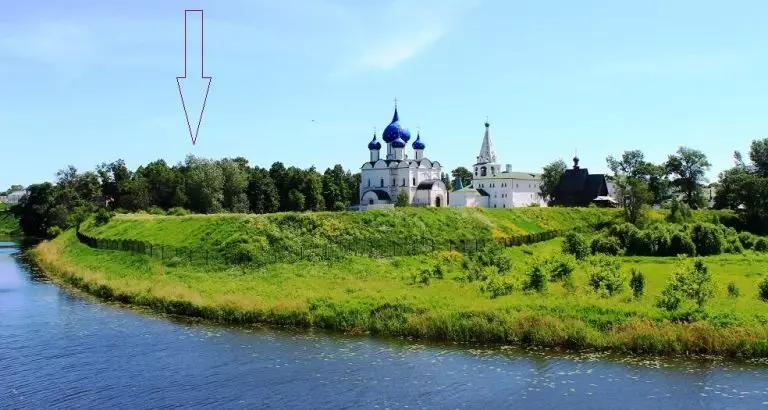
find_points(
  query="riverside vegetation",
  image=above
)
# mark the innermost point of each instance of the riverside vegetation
(605, 285)
(9, 224)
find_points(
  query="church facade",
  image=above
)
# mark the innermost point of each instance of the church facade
(387, 174)
(494, 187)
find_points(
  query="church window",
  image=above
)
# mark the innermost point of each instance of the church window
(394, 182)
(369, 182)
(403, 181)
(483, 171)
(504, 205)
(494, 205)
(382, 182)
(414, 181)
(370, 201)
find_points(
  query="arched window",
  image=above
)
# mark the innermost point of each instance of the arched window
(370, 201)
(403, 181)
(369, 182)
(394, 182)
(382, 182)
(414, 181)
(483, 171)
(475, 171)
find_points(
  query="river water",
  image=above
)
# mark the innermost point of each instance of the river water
(63, 350)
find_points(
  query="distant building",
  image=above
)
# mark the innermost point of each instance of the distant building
(580, 188)
(382, 179)
(493, 188)
(13, 197)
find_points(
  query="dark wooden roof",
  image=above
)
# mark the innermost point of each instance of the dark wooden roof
(578, 187)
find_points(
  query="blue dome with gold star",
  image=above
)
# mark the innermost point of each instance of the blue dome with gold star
(374, 144)
(394, 130)
(418, 144)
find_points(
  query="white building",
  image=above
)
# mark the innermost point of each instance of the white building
(13, 197)
(493, 187)
(382, 179)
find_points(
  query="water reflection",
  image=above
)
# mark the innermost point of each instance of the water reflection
(63, 350)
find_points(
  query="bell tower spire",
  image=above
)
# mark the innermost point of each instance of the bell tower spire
(487, 154)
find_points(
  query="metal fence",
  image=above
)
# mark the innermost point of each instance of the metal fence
(238, 254)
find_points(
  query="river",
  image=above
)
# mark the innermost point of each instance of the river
(64, 350)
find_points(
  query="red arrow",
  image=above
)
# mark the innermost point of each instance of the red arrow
(204, 82)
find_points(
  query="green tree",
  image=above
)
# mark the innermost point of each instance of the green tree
(402, 199)
(205, 185)
(758, 154)
(464, 174)
(447, 181)
(295, 200)
(632, 191)
(37, 210)
(236, 177)
(550, 178)
(162, 183)
(688, 167)
(312, 189)
(262, 192)
(335, 188)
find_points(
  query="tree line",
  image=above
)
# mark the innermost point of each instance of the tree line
(199, 185)
(680, 181)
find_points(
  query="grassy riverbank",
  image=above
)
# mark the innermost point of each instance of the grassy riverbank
(378, 296)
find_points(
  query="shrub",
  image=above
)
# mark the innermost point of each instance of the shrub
(661, 239)
(155, 210)
(425, 275)
(498, 285)
(622, 232)
(493, 255)
(679, 212)
(641, 243)
(747, 240)
(681, 244)
(733, 245)
(733, 291)
(474, 272)
(575, 245)
(691, 281)
(637, 283)
(561, 267)
(103, 215)
(175, 261)
(178, 211)
(708, 239)
(538, 277)
(762, 289)
(605, 275)
(608, 245)
(761, 245)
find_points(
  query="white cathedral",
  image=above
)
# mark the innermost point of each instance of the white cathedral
(383, 179)
(493, 187)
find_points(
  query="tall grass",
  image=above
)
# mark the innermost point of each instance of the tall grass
(378, 296)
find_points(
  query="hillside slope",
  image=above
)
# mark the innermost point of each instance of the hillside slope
(399, 225)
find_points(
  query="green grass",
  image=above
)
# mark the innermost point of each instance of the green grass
(375, 296)
(9, 224)
(289, 230)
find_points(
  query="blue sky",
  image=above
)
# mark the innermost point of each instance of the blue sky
(306, 81)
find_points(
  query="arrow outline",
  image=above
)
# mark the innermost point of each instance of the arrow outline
(202, 74)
